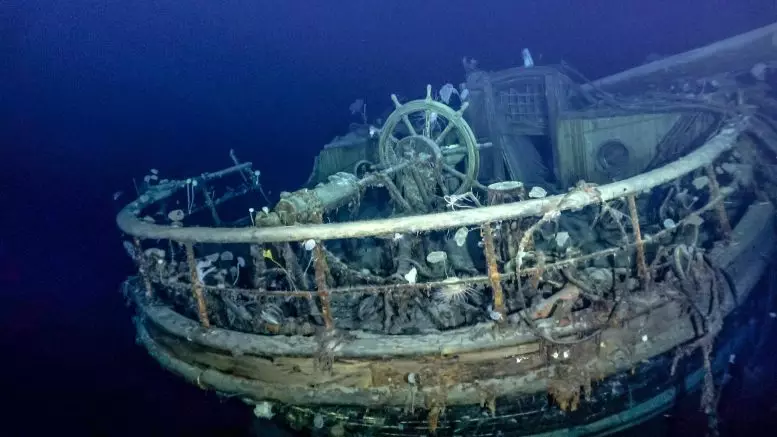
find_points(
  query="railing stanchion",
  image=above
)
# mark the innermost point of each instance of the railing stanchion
(720, 208)
(142, 269)
(493, 270)
(642, 269)
(321, 287)
(202, 309)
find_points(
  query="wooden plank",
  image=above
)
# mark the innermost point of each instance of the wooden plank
(301, 372)
(737, 53)
(556, 104)
(748, 235)
(503, 380)
(494, 133)
(579, 140)
(353, 373)
(752, 248)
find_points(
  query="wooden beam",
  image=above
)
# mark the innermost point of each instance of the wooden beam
(737, 53)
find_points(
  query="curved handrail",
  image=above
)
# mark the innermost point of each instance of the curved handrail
(128, 220)
(364, 345)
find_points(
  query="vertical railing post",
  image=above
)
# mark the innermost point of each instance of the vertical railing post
(142, 269)
(202, 309)
(257, 255)
(642, 269)
(720, 208)
(321, 287)
(493, 270)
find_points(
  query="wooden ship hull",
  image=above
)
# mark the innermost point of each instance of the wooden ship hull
(636, 388)
(541, 336)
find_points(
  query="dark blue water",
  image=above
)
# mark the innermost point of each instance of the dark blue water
(94, 93)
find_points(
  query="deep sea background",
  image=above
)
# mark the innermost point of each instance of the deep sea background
(94, 93)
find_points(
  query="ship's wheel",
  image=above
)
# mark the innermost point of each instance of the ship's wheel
(433, 132)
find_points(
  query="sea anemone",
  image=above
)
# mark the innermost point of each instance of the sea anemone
(454, 291)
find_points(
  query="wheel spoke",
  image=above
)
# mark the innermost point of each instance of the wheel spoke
(454, 172)
(453, 149)
(463, 177)
(441, 182)
(444, 132)
(422, 131)
(409, 125)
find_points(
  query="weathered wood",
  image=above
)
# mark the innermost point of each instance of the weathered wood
(723, 141)
(644, 275)
(518, 73)
(498, 303)
(360, 344)
(322, 269)
(290, 370)
(653, 325)
(752, 246)
(720, 208)
(663, 328)
(752, 241)
(732, 54)
(557, 103)
(497, 165)
(354, 373)
(196, 281)
(580, 136)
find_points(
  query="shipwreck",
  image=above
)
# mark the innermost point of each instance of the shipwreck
(535, 254)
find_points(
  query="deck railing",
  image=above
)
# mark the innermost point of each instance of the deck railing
(487, 219)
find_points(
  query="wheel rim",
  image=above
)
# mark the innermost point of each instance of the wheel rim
(430, 132)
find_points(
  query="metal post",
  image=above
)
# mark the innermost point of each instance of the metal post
(644, 274)
(141, 269)
(493, 270)
(720, 208)
(202, 309)
(321, 287)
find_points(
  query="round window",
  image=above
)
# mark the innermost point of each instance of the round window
(613, 158)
